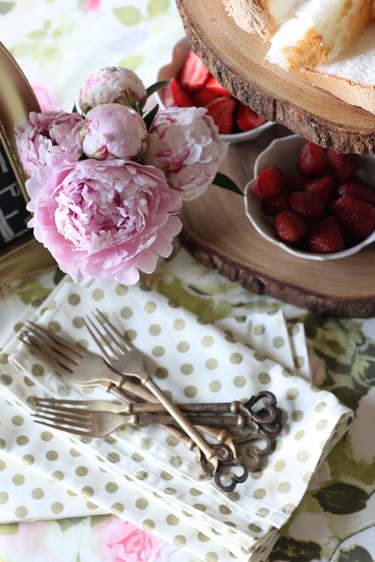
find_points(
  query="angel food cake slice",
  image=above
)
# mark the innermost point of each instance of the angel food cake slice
(260, 16)
(318, 31)
(351, 75)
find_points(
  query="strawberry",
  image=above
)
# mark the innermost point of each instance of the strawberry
(356, 217)
(290, 227)
(344, 166)
(269, 183)
(193, 74)
(307, 204)
(297, 183)
(175, 96)
(274, 205)
(323, 187)
(359, 189)
(204, 97)
(325, 236)
(213, 85)
(247, 119)
(312, 160)
(222, 112)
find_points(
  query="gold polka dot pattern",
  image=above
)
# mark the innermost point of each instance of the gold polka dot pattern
(146, 475)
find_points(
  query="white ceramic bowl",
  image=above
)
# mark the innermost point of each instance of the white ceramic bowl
(171, 70)
(284, 154)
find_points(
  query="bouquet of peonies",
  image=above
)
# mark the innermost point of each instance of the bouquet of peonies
(106, 186)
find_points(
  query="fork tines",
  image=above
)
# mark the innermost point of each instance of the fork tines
(59, 352)
(107, 333)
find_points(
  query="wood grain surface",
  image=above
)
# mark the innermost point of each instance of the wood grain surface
(218, 234)
(237, 59)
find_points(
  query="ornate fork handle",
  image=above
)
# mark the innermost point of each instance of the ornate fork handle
(125, 359)
(207, 449)
(224, 477)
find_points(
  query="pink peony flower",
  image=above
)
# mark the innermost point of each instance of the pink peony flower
(48, 139)
(91, 5)
(112, 84)
(44, 97)
(104, 220)
(185, 144)
(112, 130)
(124, 542)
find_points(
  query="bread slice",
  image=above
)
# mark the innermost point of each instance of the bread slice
(351, 75)
(260, 16)
(318, 32)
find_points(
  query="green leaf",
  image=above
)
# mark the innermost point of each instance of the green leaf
(31, 289)
(355, 553)
(9, 529)
(348, 396)
(128, 15)
(58, 276)
(98, 519)
(157, 7)
(38, 34)
(138, 108)
(6, 7)
(154, 87)
(66, 524)
(221, 180)
(148, 119)
(295, 551)
(341, 498)
(132, 61)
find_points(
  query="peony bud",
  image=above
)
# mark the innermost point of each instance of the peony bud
(112, 84)
(113, 131)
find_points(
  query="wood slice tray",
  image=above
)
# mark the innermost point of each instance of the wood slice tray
(218, 234)
(236, 58)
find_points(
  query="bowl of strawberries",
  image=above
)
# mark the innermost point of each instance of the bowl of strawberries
(191, 84)
(312, 202)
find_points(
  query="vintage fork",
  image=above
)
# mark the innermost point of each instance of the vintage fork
(55, 405)
(238, 414)
(85, 368)
(99, 423)
(80, 366)
(125, 359)
(105, 417)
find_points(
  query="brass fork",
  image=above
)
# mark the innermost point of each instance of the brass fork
(103, 417)
(99, 423)
(79, 366)
(125, 359)
(267, 416)
(76, 364)
(66, 405)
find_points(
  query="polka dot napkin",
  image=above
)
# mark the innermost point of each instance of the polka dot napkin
(148, 476)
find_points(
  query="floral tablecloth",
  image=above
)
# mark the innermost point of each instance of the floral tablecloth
(57, 44)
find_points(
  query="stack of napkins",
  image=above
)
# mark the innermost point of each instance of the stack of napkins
(145, 475)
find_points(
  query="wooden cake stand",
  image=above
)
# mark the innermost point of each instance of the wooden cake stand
(218, 234)
(215, 228)
(236, 58)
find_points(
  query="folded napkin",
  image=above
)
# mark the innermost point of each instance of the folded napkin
(160, 485)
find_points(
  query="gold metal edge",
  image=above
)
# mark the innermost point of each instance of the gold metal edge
(17, 100)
